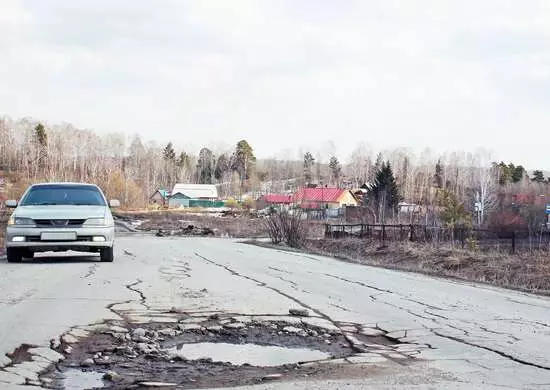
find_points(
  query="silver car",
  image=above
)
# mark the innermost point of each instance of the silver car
(60, 217)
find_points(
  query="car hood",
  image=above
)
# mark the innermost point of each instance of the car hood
(61, 212)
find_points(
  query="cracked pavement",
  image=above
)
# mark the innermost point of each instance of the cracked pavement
(462, 335)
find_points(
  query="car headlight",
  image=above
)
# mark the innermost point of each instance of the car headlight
(21, 221)
(98, 222)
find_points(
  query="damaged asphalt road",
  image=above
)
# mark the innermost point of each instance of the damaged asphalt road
(385, 329)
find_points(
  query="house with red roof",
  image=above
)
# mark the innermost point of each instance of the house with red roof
(324, 197)
(274, 200)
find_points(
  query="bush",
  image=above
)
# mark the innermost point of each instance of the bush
(249, 204)
(287, 228)
(232, 204)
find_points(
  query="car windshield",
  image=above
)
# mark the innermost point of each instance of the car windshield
(63, 195)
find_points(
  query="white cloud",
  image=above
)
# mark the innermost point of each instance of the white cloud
(286, 74)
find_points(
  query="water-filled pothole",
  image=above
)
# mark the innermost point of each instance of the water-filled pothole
(253, 354)
(75, 379)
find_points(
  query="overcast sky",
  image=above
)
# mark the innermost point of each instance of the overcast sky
(290, 74)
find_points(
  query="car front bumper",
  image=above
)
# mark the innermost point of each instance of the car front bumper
(87, 238)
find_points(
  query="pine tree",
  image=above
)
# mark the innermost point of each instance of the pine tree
(335, 170)
(518, 173)
(383, 194)
(309, 161)
(222, 167)
(169, 154)
(438, 176)
(42, 143)
(205, 166)
(538, 176)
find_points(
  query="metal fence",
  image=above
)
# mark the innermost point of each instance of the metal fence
(466, 238)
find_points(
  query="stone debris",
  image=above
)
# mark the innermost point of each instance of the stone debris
(295, 330)
(147, 348)
(235, 325)
(189, 327)
(55, 344)
(299, 312)
(139, 332)
(87, 363)
(167, 332)
(111, 376)
(118, 329)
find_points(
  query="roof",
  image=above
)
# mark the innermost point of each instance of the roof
(196, 191)
(321, 194)
(164, 193)
(277, 198)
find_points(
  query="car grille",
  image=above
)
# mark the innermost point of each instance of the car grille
(37, 239)
(58, 222)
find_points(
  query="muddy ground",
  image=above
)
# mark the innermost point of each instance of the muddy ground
(183, 223)
(120, 355)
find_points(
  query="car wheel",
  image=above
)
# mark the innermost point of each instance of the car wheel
(14, 255)
(107, 255)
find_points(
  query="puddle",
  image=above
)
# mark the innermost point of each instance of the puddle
(253, 354)
(77, 379)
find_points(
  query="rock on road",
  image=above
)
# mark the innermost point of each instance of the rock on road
(468, 336)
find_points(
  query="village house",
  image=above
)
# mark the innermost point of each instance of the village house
(160, 197)
(194, 195)
(277, 201)
(324, 198)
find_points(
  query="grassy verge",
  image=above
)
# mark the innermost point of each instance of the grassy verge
(525, 272)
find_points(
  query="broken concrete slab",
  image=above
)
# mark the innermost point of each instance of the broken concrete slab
(321, 323)
(367, 358)
(69, 339)
(12, 378)
(372, 332)
(24, 372)
(47, 353)
(79, 332)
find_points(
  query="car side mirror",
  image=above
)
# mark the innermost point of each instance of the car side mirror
(11, 203)
(114, 203)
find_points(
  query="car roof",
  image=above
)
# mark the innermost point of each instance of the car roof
(63, 184)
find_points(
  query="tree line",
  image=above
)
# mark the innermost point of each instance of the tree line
(131, 169)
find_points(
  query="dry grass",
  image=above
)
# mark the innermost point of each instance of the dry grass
(526, 272)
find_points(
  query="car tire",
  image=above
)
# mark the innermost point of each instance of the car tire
(107, 255)
(14, 255)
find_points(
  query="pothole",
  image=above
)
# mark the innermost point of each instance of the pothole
(217, 351)
(253, 354)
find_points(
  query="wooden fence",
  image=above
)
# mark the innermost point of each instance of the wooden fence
(478, 238)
